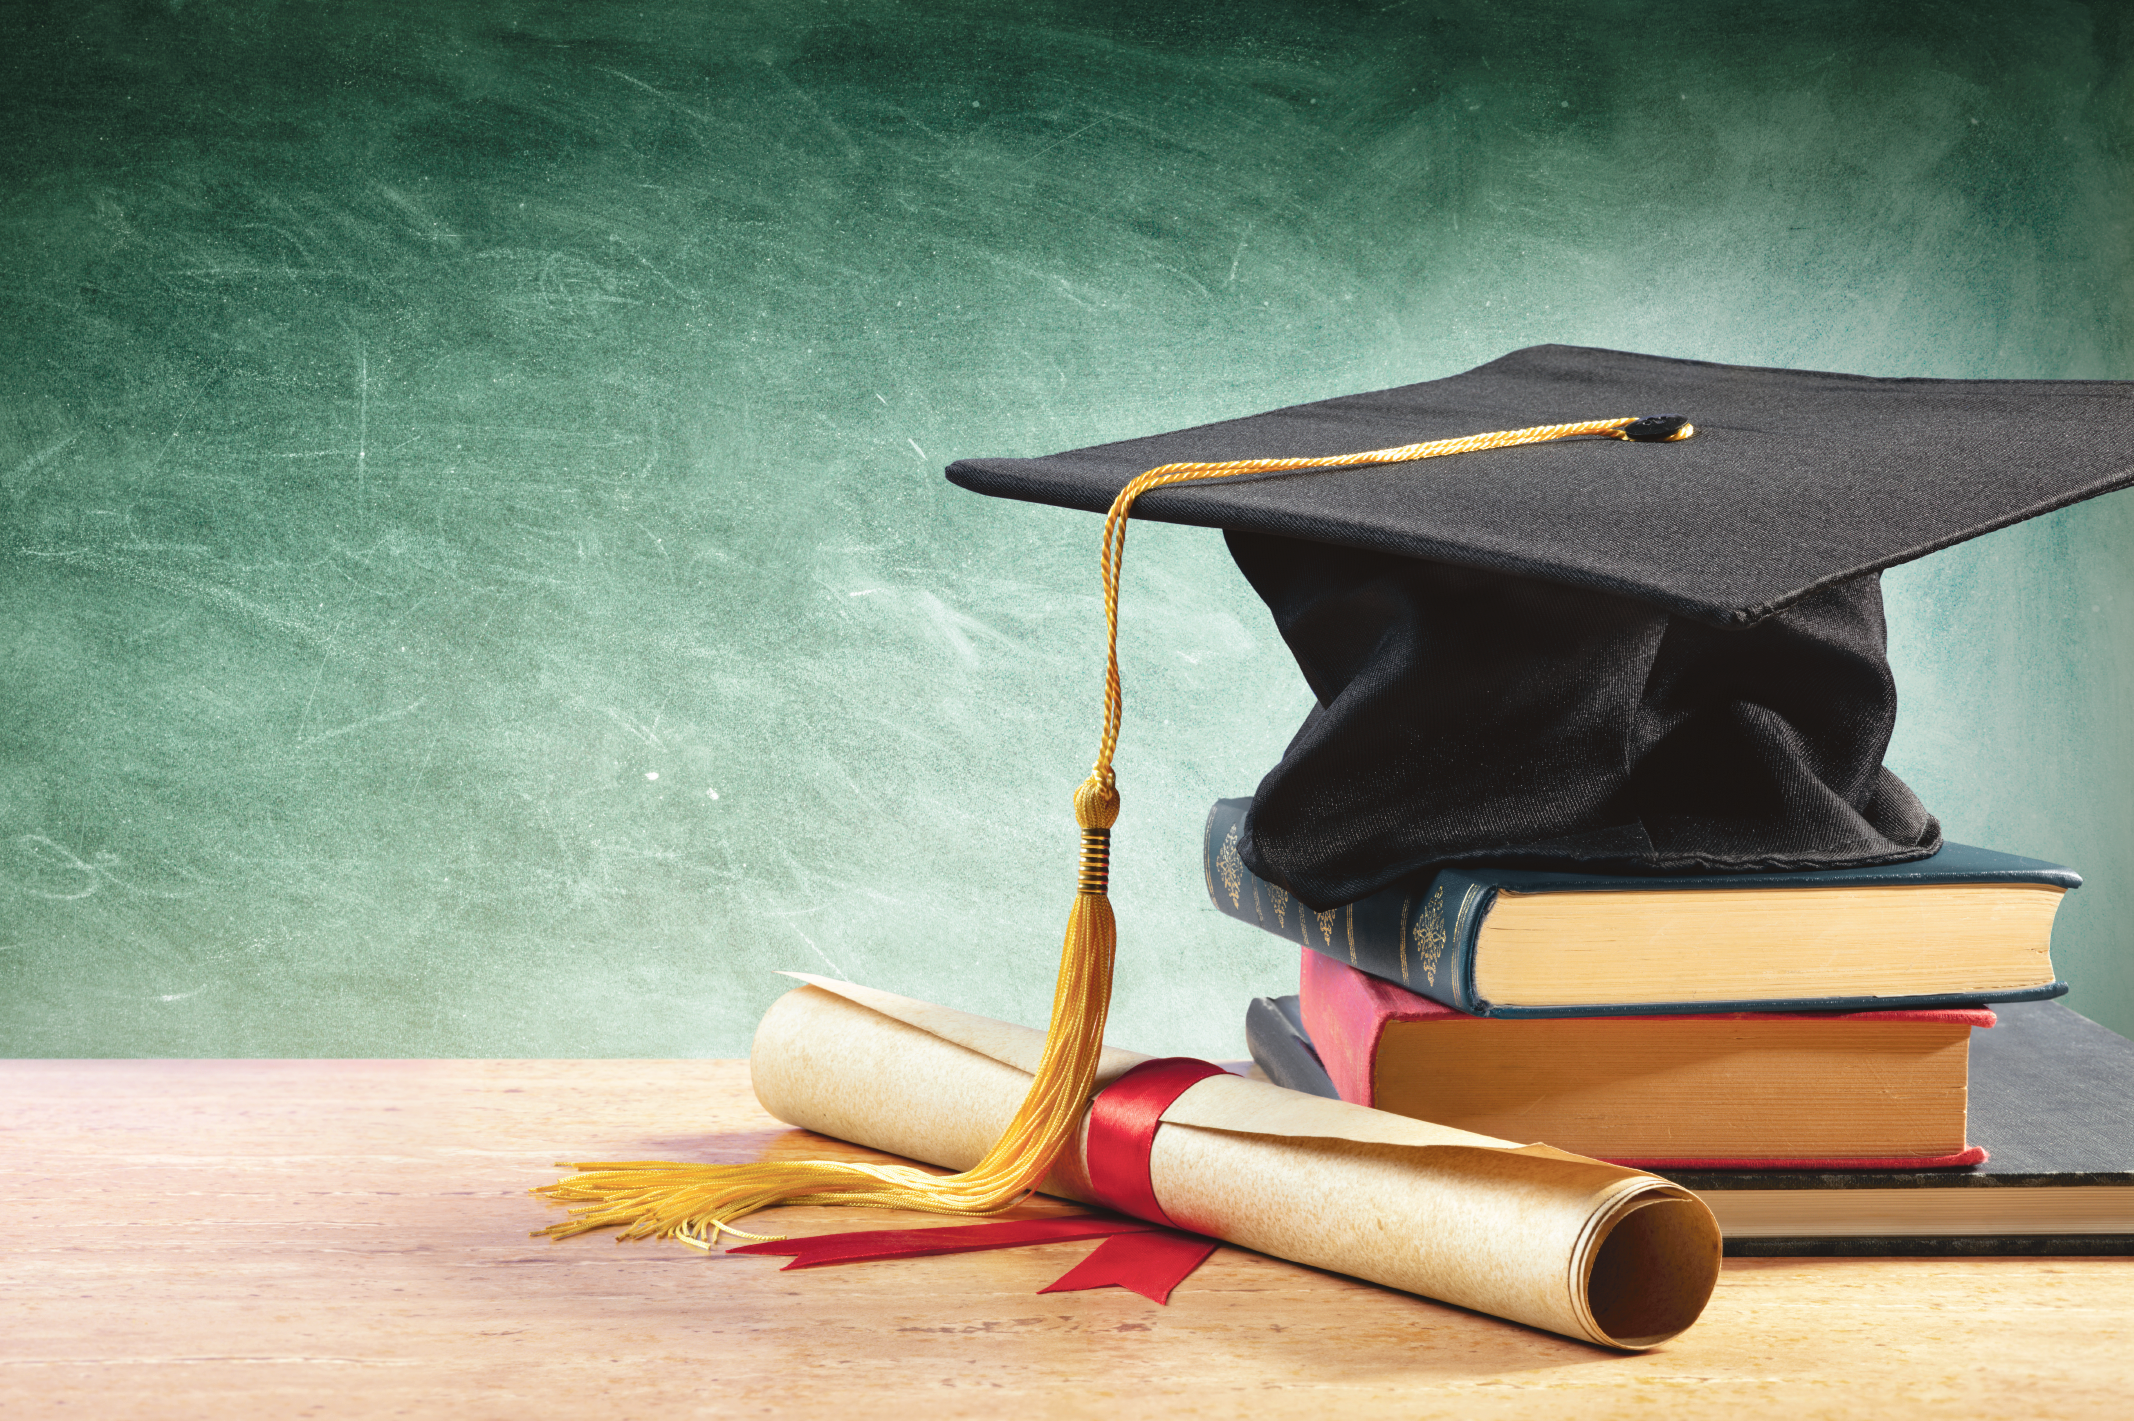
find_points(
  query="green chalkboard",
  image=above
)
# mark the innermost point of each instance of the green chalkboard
(476, 576)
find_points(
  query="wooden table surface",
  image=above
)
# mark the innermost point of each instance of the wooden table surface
(245, 1239)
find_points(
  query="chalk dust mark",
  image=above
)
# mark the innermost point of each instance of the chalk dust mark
(662, 95)
(31, 843)
(842, 975)
(352, 726)
(285, 271)
(1107, 118)
(436, 230)
(38, 460)
(859, 794)
(305, 718)
(179, 583)
(897, 112)
(958, 628)
(362, 422)
(1187, 277)
(852, 150)
(1025, 269)
(636, 728)
(183, 415)
(691, 297)
(100, 871)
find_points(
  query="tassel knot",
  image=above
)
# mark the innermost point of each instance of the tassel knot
(1096, 801)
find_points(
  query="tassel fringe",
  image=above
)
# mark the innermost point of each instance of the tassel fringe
(696, 1203)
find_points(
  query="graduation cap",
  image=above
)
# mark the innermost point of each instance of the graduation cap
(1644, 653)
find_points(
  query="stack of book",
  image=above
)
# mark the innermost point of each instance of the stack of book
(1796, 1047)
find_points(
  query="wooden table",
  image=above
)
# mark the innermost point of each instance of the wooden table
(244, 1239)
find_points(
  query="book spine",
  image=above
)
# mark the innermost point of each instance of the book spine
(1421, 938)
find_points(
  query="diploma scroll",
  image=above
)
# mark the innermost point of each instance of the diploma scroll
(1595, 1251)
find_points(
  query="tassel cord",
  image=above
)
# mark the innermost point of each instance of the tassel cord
(696, 1203)
(1165, 475)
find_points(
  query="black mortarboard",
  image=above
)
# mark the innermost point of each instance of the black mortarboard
(1593, 653)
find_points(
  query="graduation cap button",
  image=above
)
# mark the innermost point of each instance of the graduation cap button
(1659, 429)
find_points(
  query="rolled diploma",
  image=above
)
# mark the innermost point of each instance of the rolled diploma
(1591, 1250)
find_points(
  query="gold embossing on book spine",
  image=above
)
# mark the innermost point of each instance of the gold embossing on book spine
(1402, 937)
(1430, 934)
(1231, 867)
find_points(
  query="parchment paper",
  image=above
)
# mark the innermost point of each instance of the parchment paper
(1591, 1250)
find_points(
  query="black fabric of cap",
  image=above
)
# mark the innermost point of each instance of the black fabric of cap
(1470, 717)
(1599, 654)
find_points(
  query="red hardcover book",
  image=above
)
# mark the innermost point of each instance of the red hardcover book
(1724, 1090)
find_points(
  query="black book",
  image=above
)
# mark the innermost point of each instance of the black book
(1282, 1049)
(2051, 1099)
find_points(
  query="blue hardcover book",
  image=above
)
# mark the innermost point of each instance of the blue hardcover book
(1966, 925)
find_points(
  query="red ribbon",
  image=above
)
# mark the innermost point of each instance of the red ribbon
(1150, 1264)
(1122, 1130)
(1150, 1257)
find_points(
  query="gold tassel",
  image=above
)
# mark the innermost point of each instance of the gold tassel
(698, 1202)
